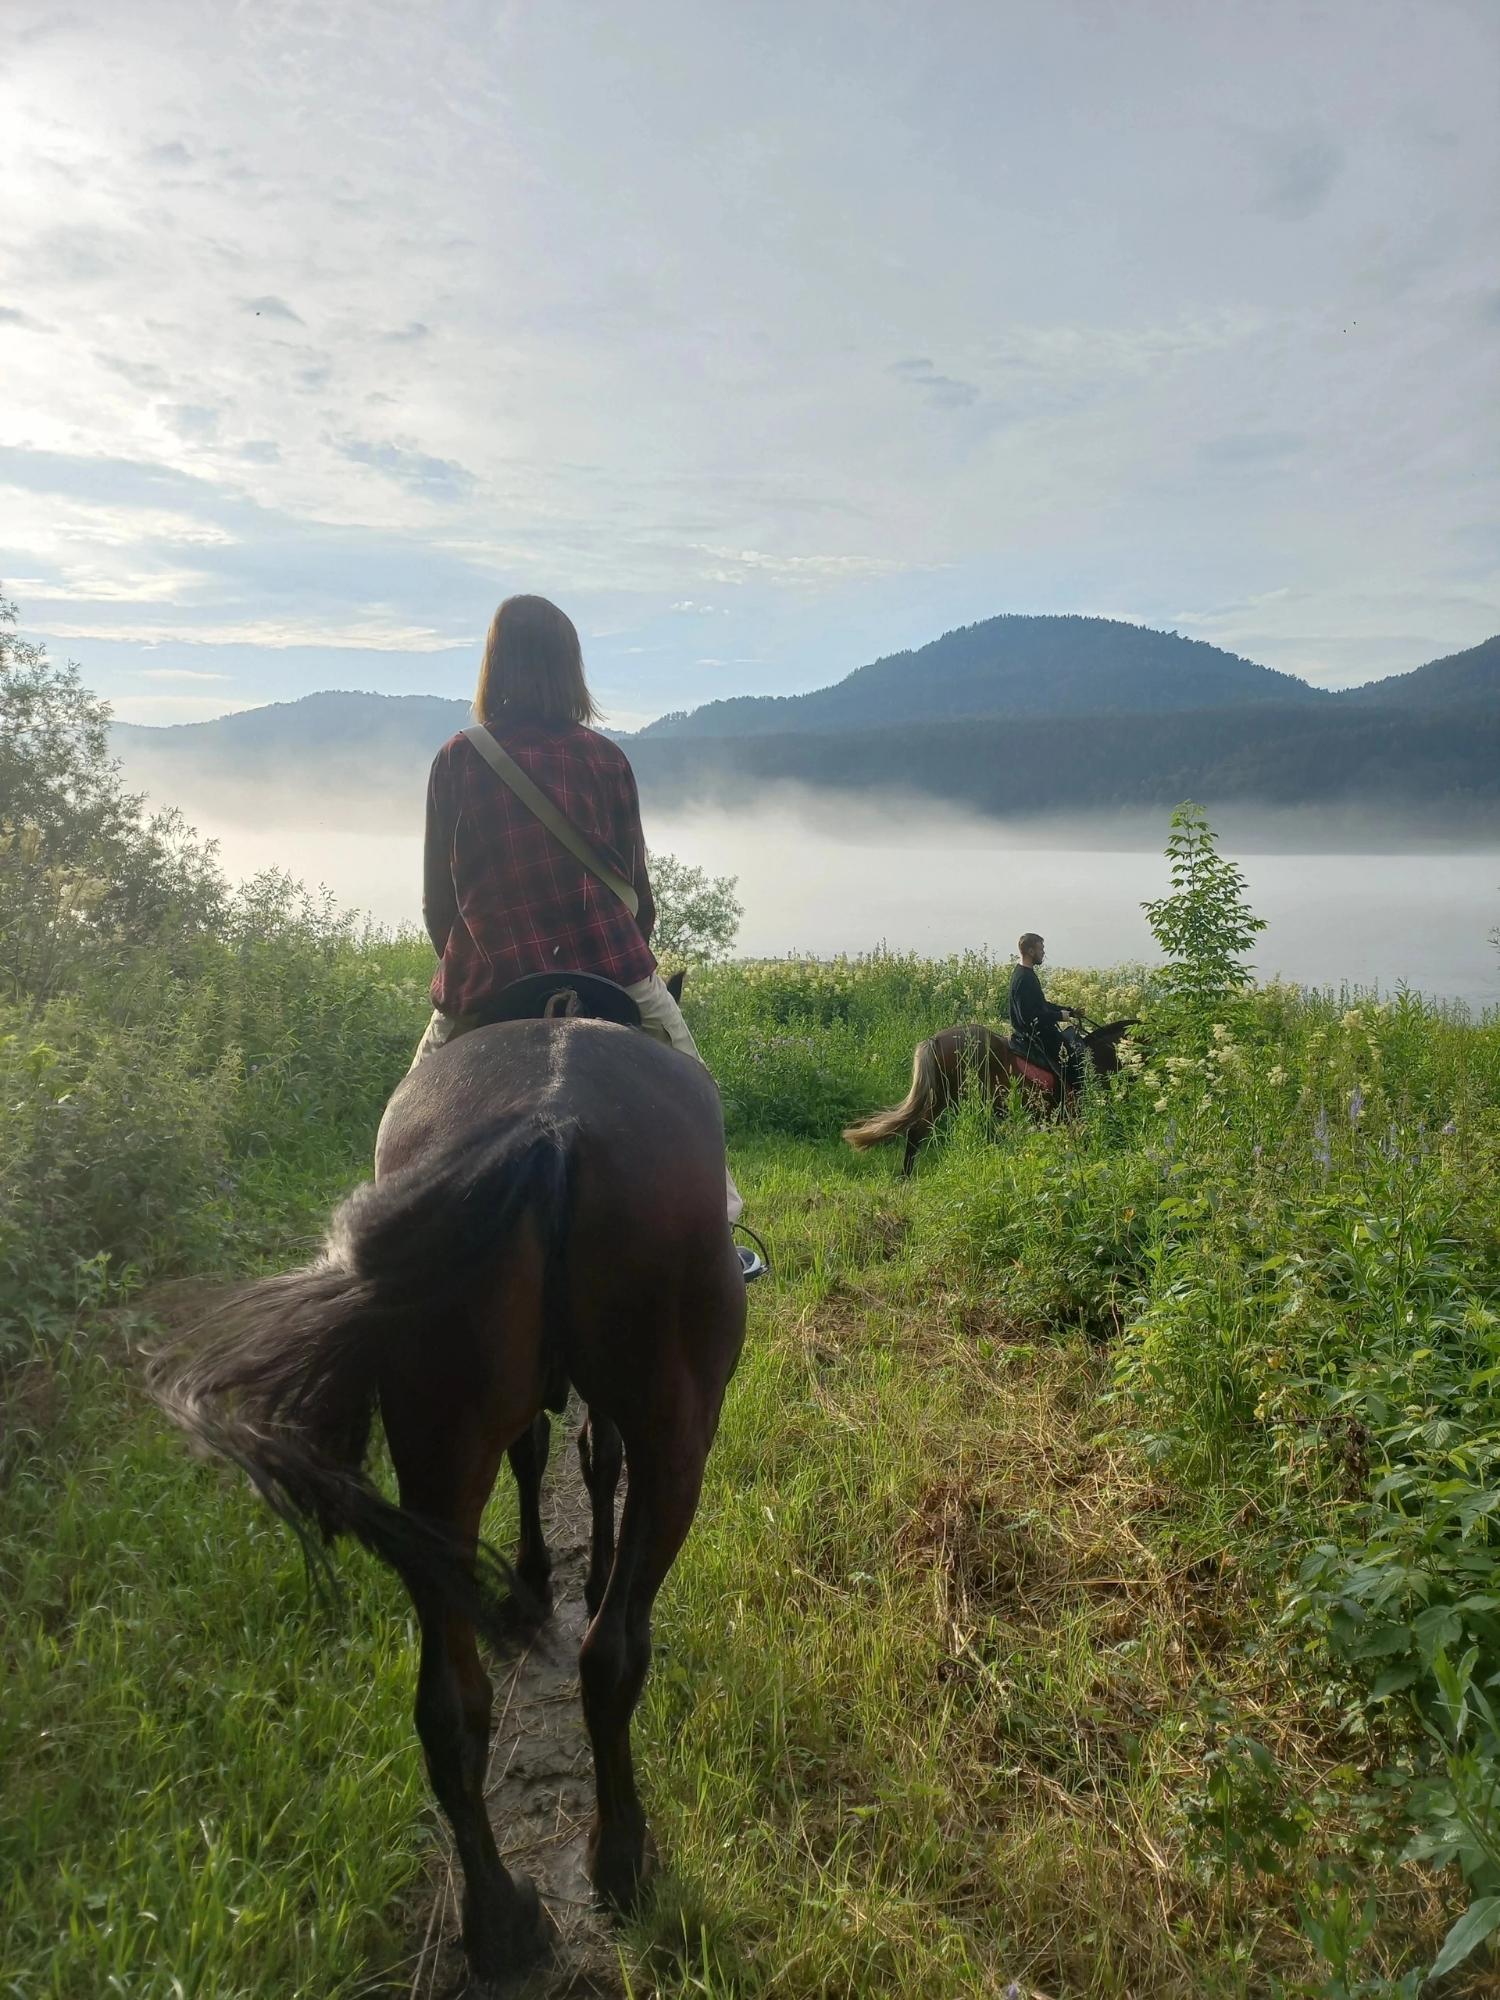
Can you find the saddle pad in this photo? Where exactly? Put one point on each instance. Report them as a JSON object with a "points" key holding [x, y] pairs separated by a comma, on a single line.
{"points": [[1033, 1072]]}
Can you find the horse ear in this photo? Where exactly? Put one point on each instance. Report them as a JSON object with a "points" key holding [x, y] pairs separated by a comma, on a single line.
{"points": [[674, 984]]}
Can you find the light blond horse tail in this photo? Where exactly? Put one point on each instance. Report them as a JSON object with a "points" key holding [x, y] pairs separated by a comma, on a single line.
{"points": [[918, 1105]]}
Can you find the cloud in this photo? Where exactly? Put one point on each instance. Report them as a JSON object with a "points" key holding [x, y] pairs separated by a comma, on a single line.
{"points": [[172, 154], [736, 565], [13, 316], [120, 482], [418, 471], [1251, 450], [194, 422], [943, 392], [372, 634], [260, 451], [162, 709], [179, 674], [405, 334], [270, 307], [1297, 173]]}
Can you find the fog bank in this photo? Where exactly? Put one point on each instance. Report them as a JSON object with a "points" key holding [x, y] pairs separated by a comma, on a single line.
{"points": [[824, 879]]}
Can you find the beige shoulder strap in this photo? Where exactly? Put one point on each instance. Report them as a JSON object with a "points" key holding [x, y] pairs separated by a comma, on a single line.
{"points": [[541, 807]]}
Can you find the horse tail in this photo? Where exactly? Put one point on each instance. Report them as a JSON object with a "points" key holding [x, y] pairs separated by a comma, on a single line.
{"points": [[286, 1386], [919, 1104]]}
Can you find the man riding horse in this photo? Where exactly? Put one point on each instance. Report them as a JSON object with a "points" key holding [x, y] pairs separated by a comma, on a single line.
{"points": [[1038, 1023]]}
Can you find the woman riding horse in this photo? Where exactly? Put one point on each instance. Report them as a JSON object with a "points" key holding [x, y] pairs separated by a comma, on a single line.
{"points": [[503, 895]]}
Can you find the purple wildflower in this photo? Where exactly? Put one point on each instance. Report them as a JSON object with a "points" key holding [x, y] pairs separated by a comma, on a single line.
{"points": [[1356, 1105], [1450, 1128]]}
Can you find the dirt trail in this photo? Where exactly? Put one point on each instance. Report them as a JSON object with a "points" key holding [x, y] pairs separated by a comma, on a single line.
{"points": [[541, 1782]]}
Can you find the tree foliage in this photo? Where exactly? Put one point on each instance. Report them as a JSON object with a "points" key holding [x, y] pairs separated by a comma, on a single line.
{"points": [[87, 875], [697, 915], [1205, 926]]}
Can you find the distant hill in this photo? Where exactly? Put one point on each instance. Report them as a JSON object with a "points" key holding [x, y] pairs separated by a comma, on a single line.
{"points": [[1462, 679], [1011, 666], [1013, 716], [1439, 769]]}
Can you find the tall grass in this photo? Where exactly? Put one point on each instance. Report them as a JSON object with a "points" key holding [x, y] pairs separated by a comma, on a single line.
{"points": [[1093, 1585]]}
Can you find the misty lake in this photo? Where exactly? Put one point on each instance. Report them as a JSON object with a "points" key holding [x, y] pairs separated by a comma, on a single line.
{"points": [[821, 880]]}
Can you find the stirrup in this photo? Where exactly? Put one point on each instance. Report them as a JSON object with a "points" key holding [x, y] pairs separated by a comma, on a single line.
{"points": [[753, 1263]]}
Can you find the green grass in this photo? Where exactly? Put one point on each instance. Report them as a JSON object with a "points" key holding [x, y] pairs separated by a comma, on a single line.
{"points": [[993, 1655]]}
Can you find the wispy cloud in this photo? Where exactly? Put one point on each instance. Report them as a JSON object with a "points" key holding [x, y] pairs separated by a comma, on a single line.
{"points": [[178, 674], [943, 392], [418, 471], [1297, 172], [268, 306]]}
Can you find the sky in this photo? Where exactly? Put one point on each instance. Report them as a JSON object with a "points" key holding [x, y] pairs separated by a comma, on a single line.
{"points": [[767, 339]]}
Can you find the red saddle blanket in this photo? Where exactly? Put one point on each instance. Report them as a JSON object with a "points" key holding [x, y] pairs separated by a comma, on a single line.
{"points": [[1033, 1073]]}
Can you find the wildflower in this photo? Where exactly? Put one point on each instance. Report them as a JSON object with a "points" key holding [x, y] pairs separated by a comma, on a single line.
{"points": [[1356, 1105], [1221, 1031], [1162, 1103], [1450, 1128], [1276, 1075], [1322, 1151], [1256, 1150], [1354, 1019]]}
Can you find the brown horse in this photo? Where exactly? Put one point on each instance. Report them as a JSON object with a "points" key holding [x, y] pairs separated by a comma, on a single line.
{"points": [[601, 1455], [547, 1209], [959, 1058]]}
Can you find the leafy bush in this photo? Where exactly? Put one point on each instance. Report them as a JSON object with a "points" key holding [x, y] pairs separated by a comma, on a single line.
{"points": [[1205, 926]]}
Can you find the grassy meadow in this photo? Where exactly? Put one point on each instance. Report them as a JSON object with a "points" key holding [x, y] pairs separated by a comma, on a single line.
{"points": [[1095, 1583]]}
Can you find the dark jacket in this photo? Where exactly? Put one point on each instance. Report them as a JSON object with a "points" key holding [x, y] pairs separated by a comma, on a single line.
{"points": [[1030, 1009]]}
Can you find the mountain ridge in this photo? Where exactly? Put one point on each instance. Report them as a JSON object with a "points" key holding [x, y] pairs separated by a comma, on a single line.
{"points": [[1011, 715], [1015, 664]]}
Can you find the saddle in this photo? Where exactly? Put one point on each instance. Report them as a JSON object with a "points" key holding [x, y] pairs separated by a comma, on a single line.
{"points": [[1034, 1072], [553, 996]]}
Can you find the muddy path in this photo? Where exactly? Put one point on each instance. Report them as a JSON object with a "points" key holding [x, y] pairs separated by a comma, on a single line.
{"points": [[541, 1779]]}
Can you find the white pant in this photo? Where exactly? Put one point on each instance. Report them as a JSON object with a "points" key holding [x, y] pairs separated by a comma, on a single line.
{"points": [[661, 1017]]}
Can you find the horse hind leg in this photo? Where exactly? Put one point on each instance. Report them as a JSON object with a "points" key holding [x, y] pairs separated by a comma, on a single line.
{"points": [[528, 1461], [445, 1473], [601, 1454], [917, 1134], [660, 1501]]}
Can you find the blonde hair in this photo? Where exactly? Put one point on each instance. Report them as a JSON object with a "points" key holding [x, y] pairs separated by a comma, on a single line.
{"points": [[532, 668]]}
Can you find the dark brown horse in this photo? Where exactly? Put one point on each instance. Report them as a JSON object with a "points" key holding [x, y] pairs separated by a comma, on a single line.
{"points": [[547, 1209], [600, 1455], [959, 1059]]}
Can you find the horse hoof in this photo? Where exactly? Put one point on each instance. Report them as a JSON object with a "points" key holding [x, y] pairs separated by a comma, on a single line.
{"points": [[534, 1598], [620, 1874], [527, 1936]]}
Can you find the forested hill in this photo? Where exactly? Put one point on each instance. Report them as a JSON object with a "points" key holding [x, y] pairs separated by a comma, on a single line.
{"points": [[1014, 715], [1011, 666], [1439, 771], [1469, 679]]}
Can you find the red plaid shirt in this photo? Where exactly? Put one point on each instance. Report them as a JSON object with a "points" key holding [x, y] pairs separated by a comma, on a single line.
{"points": [[502, 897]]}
